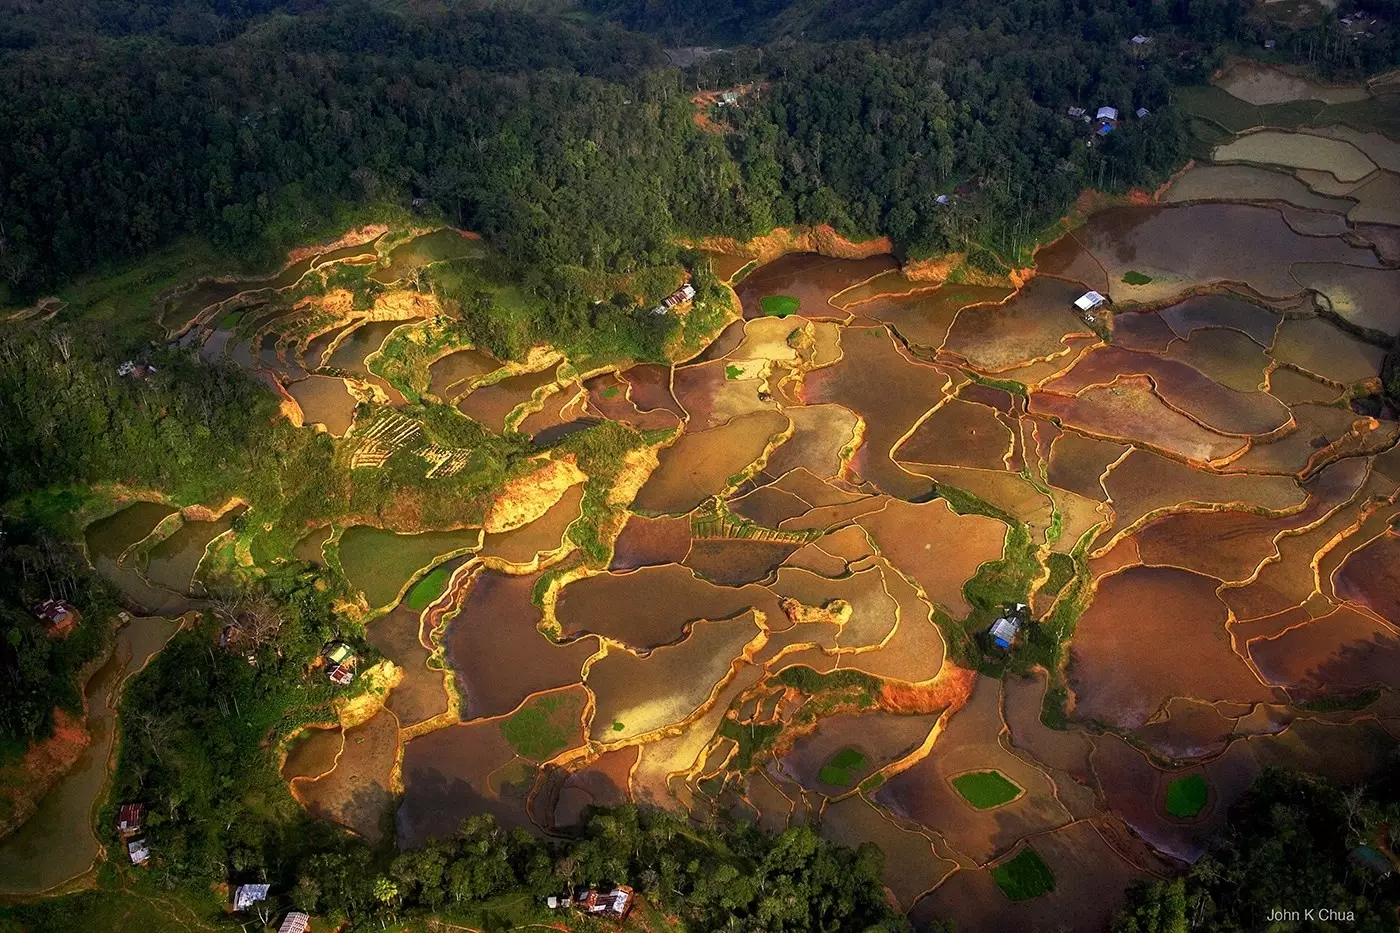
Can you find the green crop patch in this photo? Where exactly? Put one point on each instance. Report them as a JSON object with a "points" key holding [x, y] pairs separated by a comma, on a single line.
{"points": [[733, 372], [840, 770], [1024, 877], [985, 790], [778, 305], [541, 729], [1133, 277], [1187, 796], [428, 589]]}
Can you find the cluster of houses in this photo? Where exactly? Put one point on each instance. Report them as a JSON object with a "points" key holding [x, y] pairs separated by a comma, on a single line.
{"points": [[247, 897], [1105, 119], [130, 819], [681, 295], [1361, 23], [340, 663], [611, 904]]}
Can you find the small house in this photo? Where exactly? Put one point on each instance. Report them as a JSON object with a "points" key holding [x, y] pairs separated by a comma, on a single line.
{"points": [[1076, 112], [941, 199], [1089, 301], [138, 852], [1004, 630], [1141, 40], [1105, 128], [295, 922], [247, 895], [130, 816], [1141, 112], [683, 294], [613, 904], [729, 98], [1107, 113], [55, 613], [1270, 44]]}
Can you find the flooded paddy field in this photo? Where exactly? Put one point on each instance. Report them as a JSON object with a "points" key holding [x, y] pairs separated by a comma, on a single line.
{"points": [[785, 618]]}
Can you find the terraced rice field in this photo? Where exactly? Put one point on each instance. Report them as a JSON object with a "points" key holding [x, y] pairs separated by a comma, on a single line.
{"points": [[786, 619]]}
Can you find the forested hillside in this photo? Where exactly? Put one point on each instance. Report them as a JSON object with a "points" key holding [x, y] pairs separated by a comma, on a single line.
{"points": [[569, 144]]}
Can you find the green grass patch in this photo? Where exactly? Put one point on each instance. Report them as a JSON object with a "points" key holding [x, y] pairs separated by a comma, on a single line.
{"points": [[985, 790], [379, 562], [778, 305], [428, 589], [1219, 107], [1335, 703], [1006, 385], [873, 783], [611, 391], [840, 769], [617, 726], [733, 372], [542, 728], [1187, 796], [1024, 877], [1062, 569], [1133, 277], [751, 737], [230, 320]]}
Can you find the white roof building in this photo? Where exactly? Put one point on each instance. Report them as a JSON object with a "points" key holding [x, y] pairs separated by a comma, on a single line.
{"points": [[246, 895], [1141, 40], [1141, 112], [1089, 301], [138, 851], [1107, 113]]}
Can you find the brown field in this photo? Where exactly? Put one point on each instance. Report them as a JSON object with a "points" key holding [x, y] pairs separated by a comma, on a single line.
{"points": [[819, 435], [491, 404], [959, 433], [701, 465], [890, 392], [937, 548], [496, 652], [882, 738], [544, 534], [659, 602], [971, 742], [809, 278], [357, 793], [326, 401], [1153, 633], [911, 864], [1235, 514]]}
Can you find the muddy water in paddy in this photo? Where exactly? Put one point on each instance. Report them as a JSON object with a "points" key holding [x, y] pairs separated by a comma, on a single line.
{"points": [[423, 250], [364, 340], [312, 752], [701, 465], [57, 842], [315, 351], [496, 651], [110, 537], [325, 400], [809, 278], [448, 375], [491, 404], [173, 562]]}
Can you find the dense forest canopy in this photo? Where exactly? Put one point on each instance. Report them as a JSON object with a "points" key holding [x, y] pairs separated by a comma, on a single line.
{"points": [[571, 144]]}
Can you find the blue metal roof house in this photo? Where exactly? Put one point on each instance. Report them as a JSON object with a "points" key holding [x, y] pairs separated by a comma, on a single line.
{"points": [[1004, 630]]}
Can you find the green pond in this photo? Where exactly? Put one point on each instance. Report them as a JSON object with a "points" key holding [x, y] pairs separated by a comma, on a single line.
{"points": [[379, 562], [57, 842]]}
